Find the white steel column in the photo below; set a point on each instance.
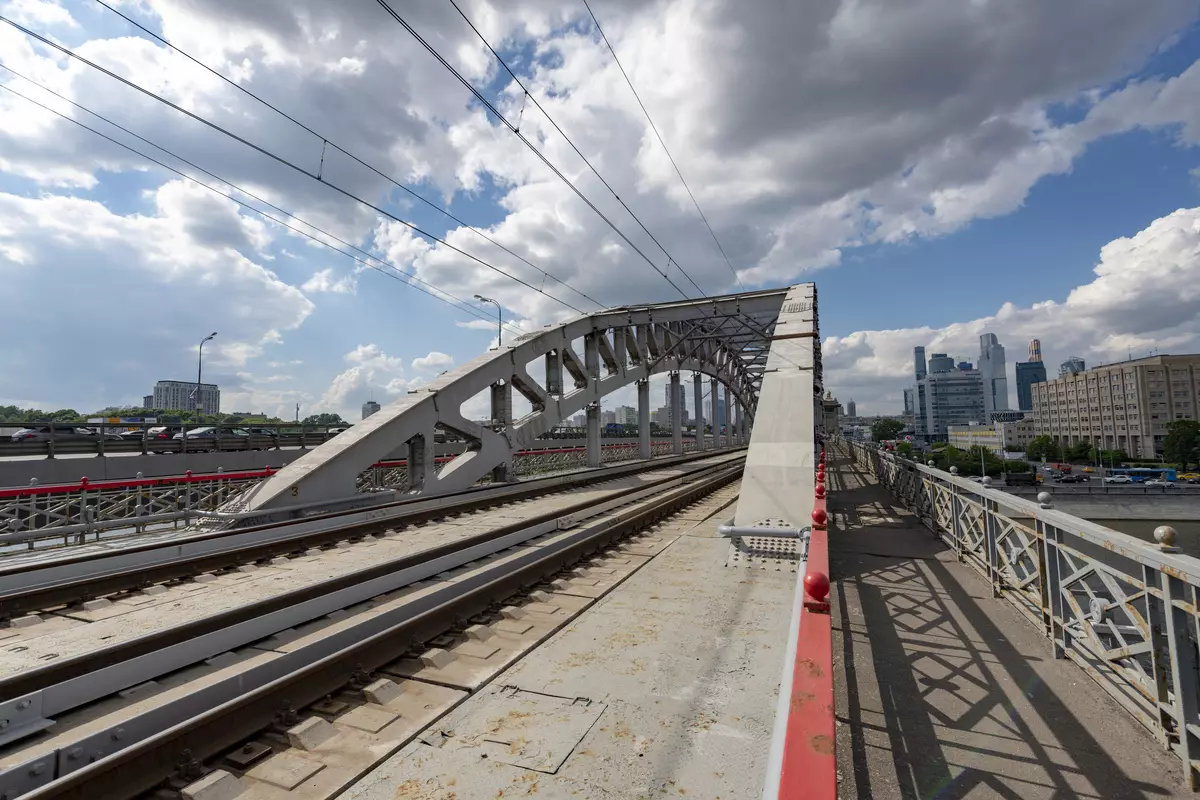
(420, 460)
(501, 417)
(593, 434)
(676, 414)
(737, 422)
(643, 392)
(714, 396)
(698, 392)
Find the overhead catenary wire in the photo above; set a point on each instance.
(658, 135)
(327, 143)
(435, 293)
(281, 160)
(563, 133)
(541, 156)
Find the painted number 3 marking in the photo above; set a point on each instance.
(295, 491)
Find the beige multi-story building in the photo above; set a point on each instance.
(1125, 406)
(998, 437)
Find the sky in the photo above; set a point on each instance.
(940, 169)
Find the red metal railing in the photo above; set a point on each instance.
(809, 767)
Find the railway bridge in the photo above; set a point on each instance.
(765, 612)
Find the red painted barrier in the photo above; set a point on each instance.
(132, 483)
(86, 484)
(809, 765)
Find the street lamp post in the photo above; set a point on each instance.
(200, 371)
(499, 318)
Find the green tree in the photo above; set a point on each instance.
(1042, 447)
(886, 429)
(904, 449)
(1078, 452)
(323, 419)
(1182, 444)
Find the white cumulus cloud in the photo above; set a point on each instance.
(1145, 296)
(434, 362)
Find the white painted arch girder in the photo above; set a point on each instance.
(722, 337)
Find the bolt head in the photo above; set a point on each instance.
(817, 585)
(1165, 535)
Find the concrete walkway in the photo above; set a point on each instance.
(944, 692)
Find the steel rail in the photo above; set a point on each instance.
(378, 640)
(69, 682)
(38, 585)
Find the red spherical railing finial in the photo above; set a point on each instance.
(819, 517)
(817, 585)
(820, 490)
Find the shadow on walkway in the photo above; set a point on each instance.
(945, 692)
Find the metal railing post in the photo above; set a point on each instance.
(991, 533)
(956, 529)
(51, 443)
(1060, 637)
(1154, 610)
(1184, 669)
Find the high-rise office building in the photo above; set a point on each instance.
(148, 401)
(369, 408)
(952, 397)
(946, 396)
(1035, 350)
(908, 402)
(1123, 406)
(182, 396)
(939, 362)
(1071, 366)
(919, 362)
(608, 417)
(1028, 373)
(993, 373)
(851, 409)
(627, 415)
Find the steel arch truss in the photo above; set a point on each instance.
(583, 359)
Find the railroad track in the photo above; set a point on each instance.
(378, 599)
(40, 581)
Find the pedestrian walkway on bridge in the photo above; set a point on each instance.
(944, 692)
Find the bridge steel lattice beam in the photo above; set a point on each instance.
(580, 361)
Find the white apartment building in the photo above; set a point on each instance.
(1124, 406)
(180, 396)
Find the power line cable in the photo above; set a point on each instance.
(327, 143)
(280, 159)
(658, 135)
(487, 104)
(464, 306)
(562, 133)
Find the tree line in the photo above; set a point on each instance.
(29, 416)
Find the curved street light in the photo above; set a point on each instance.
(200, 371)
(499, 318)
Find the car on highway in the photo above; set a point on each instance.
(1072, 479)
(207, 438)
(1158, 482)
(1088, 469)
(1193, 480)
(41, 433)
(1118, 479)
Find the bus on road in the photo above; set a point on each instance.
(1139, 474)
